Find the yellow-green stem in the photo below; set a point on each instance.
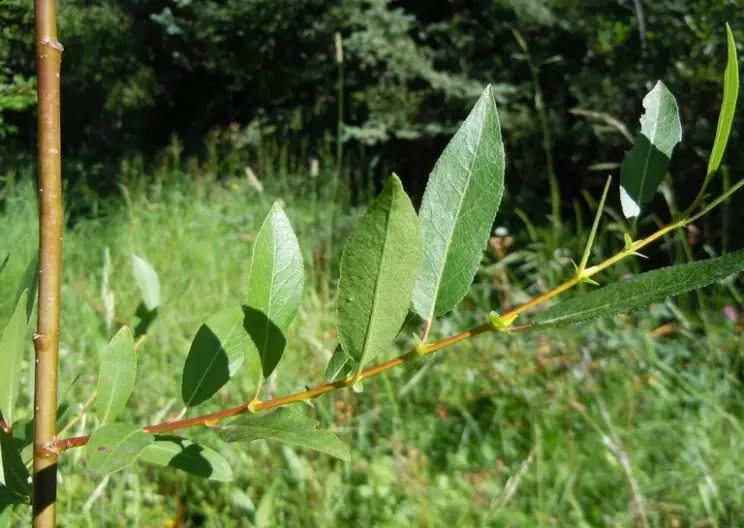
(46, 339)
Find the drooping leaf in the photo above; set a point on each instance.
(115, 446)
(218, 350)
(147, 281)
(339, 366)
(117, 376)
(11, 357)
(728, 106)
(288, 426)
(274, 287)
(379, 266)
(457, 211)
(645, 165)
(14, 477)
(186, 455)
(639, 291)
(29, 282)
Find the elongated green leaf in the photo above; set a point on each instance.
(14, 476)
(641, 290)
(11, 357)
(379, 266)
(218, 350)
(274, 287)
(147, 281)
(117, 376)
(29, 282)
(728, 106)
(188, 456)
(288, 426)
(265, 510)
(457, 212)
(644, 167)
(115, 446)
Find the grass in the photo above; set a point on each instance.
(627, 421)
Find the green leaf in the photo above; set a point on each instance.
(726, 117)
(11, 357)
(265, 510)
(117, 376)
(147, 281)
(639, 291)
(274, 287)
(115, 446)
(457, 211)
(379, 266)
(217, 352)
(339, 366)
(644, 167)
(188, 456)
(14, 477)
(288, 426)
(29, 282)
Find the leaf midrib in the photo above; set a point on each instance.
(440, 273)
(650, 147)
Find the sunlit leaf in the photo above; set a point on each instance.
(218, 350)
(14, 477)
(115, 446)
(188, 456)
(147, 281)
(274, 287)
(288, 426)
(11, 357)
(117, 376)
(644, 167)
(640, 291)
(457, 211)
(728, 106)
(379, 266)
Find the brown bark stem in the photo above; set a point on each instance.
(46, 339)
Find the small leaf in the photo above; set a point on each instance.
(640, 291)
(217, 352)
(29, 282)
(117, 376)
(288, 426)
(274, 287)
(147, 281)
(379, 266)
(115, 446)
(726, 116)
(11, 357)
(188, 456)
(14, 477)
(644, 167)
(457, 211)
(339, 366)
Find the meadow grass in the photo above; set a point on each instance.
(634, 420)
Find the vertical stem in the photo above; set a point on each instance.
(46, 339)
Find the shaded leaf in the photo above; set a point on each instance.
(288, 426)
(274, 287)
(147, 281)
(29, 282)
(115, 446)
(379, 266)
(640, 291)
(14, 477)
(644, 167)
(117, 376)
(11, 357)
(186, 455)
(728, 106)
(457, 211)
(217, 352)
(339, 366)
